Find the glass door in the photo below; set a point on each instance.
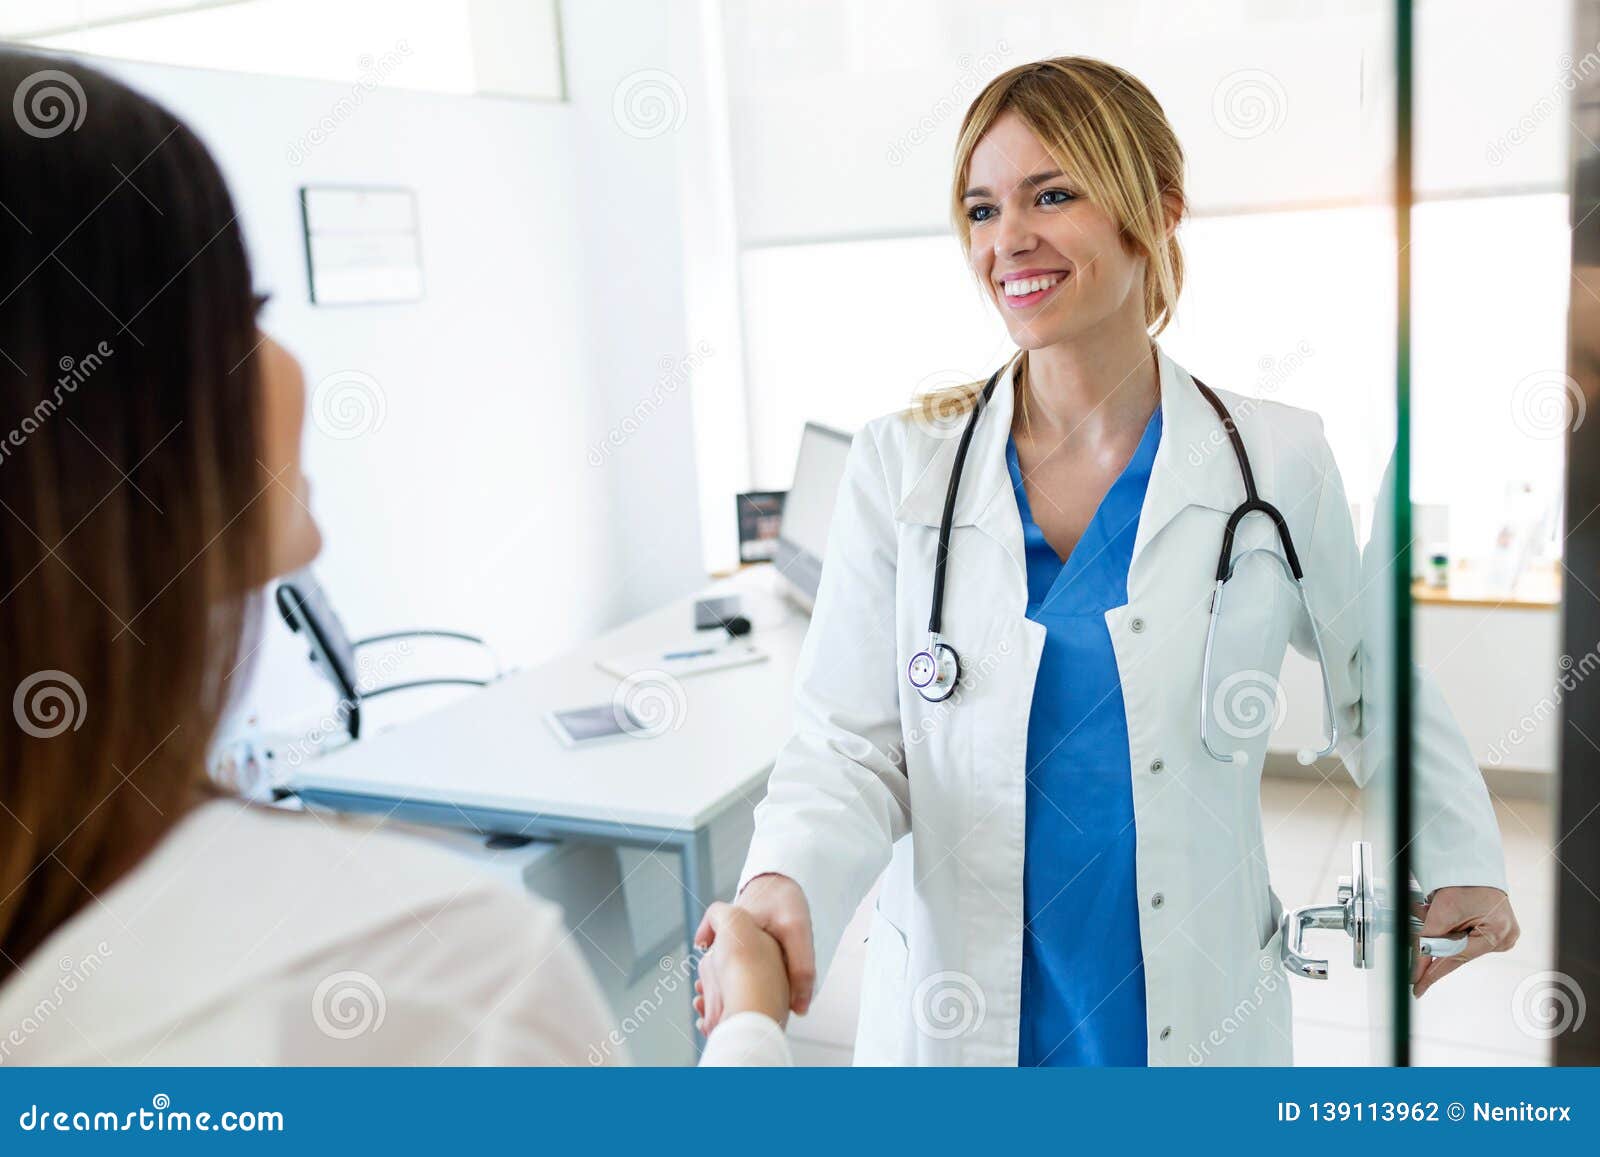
(1498, 388)
(1335, 283)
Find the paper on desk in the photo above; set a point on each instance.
(732, 654)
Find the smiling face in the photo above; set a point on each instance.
(1049, 258)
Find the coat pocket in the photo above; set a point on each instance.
(883, 1025)
(1271, 989)
(1275, 917)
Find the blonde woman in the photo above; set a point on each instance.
(1076, 873)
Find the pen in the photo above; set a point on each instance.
(688, 654)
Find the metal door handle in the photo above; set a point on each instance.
(1362, 915)
(1437, 946)
(1295, 923)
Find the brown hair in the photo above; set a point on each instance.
(131, 537)
(1110, 136)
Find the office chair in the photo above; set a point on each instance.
(305, 607)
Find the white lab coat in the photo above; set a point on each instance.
(874, 776)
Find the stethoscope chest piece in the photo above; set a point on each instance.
(935, 672)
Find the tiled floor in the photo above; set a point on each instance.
(1476, 1016)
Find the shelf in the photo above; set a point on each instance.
(1539, 589)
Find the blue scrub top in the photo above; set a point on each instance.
(1083, 999)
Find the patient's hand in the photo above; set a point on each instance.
(780, 909)
(743, 969)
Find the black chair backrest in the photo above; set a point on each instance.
(305, 607)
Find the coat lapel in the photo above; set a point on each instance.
(931, 453)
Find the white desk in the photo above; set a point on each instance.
(490, 763)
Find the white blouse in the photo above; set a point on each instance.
(252, 936)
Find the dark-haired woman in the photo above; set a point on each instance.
(150, 485)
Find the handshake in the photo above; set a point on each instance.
(758, 954)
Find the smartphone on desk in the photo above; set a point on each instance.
(586, 726)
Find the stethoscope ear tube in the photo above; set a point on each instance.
(935, 671)
(1225, 560)
(942, 551)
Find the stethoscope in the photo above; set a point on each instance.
(936, 670)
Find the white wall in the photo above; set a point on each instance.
(627, 117)
(551, 261)
(506, 47)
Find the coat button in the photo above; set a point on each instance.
(1157, 900)
(1166, 1031)
(1156, 765)
(1136, 625)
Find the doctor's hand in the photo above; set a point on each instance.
(741, 971)
(1483, 913)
